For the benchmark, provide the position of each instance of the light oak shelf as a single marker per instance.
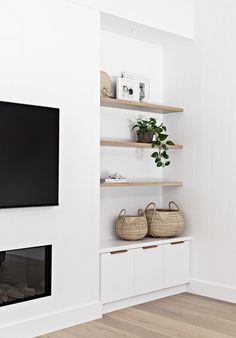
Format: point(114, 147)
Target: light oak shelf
point(139, 106)
point(142, 184)
point(130, 144)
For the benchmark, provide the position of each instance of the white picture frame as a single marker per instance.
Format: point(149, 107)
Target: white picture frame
point(127, 89)
point(144, 85)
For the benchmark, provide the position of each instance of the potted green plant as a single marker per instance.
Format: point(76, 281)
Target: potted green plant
point(145, 130)
point(149, 132)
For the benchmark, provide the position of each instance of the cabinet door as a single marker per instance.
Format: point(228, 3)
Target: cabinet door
point(117, 275)
point(149, 269)
point(177, 263)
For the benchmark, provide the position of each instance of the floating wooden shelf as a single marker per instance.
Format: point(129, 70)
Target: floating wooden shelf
point(139, 106)
point(130, 144)
point(142, 184)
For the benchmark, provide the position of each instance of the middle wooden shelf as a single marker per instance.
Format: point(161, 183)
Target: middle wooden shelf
point(131, 144)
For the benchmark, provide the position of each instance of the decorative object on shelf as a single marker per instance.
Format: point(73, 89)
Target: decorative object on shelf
point(164, 222)
point(115, 178)
point(143, 84)
point(105, 84)
point(149, 132)
point(130, 227)
point(127, 89)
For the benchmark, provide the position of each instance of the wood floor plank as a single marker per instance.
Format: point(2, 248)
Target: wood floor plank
point(98, 330)
point(165, 325)
point(202, 305)
point(180, 316)
point(58, 334)
point(194, 317)
point(205, 302)
point(131, 328)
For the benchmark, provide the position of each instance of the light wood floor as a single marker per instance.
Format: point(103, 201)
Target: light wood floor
point(180, 316)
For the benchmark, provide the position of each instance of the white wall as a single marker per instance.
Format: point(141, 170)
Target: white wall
point(118, 54)
point(168, 15)
point(201, 75)
point(47, 59)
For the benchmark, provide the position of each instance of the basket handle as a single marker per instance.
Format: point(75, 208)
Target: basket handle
point(123, 211)
point(154, 209)
point(172, 202)
point(120, 214)
point(152, 203)
point(140, 212)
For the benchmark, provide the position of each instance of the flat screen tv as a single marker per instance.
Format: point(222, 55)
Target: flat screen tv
point(29, 155)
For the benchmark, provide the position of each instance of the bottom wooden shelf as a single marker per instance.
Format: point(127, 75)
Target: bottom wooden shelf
point(143, 184)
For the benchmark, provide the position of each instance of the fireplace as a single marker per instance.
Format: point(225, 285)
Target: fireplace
point(25, 274)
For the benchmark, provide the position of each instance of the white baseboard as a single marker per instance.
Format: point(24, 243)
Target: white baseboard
point(52, 322)
point(212, 290)
point(56, 321)
point(121, 304)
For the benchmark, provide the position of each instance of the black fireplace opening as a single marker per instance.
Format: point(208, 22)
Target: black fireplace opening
point(25, 274)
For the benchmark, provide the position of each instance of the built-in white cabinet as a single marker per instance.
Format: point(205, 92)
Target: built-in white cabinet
point(117, 275)
point(149, 269)
point(139, 269)
point(177, 263)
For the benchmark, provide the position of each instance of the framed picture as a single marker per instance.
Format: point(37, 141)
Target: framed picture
point(127, 89)
point(144, 85)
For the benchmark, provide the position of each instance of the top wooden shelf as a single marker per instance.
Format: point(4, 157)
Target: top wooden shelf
point(138, 106)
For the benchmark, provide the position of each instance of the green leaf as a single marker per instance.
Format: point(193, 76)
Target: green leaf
point(163, 137)
point(155, 154)
point(167, 163)
point(156, 143)
point(165, 155)
point(159, 130)
point(164, 128)
point(170, 143)
point(159, 164)
point(153, 120)
point(164, 146)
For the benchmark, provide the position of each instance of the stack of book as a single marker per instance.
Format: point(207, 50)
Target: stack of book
point(113, 180)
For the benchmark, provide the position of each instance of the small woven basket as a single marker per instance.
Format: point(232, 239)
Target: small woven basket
point(131, 228)
point(164, 222)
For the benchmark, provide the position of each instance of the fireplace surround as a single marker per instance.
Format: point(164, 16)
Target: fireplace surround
point(25, 274)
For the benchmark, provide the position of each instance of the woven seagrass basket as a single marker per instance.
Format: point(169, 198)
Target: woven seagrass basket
point(164, 222)
point(130, 227)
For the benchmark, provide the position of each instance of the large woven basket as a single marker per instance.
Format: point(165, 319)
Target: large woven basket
point(131, 228)
point(164, 222)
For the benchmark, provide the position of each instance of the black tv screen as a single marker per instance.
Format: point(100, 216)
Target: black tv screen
point(29, 152)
